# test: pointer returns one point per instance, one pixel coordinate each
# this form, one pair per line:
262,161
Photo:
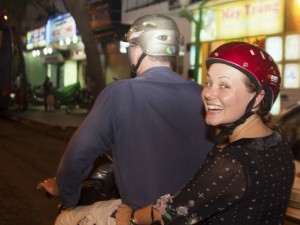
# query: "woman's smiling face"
225,94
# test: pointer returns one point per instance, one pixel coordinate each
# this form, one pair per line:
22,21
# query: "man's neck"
148,64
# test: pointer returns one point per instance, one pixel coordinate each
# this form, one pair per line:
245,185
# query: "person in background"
154,124
47,91
248,179
21,92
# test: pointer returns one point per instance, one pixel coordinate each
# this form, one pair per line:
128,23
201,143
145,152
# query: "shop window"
292,47
291,76
192,62
70,72
275,110
274,47
280,67
192,55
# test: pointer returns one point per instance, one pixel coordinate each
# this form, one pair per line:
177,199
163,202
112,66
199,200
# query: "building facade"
56,48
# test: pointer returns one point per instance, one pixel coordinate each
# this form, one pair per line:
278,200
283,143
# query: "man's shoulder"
118,84
116,87
197,85
129,84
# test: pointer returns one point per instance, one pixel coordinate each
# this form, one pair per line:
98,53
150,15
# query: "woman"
247,179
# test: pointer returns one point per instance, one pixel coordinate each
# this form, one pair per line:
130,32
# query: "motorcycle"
67,97
71,96
100,184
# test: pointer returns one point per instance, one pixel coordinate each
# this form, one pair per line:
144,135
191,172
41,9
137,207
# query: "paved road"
26,157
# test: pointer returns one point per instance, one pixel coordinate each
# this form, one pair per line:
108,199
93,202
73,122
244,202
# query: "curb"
64,133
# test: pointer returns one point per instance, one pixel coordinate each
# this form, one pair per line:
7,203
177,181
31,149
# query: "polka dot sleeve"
219,183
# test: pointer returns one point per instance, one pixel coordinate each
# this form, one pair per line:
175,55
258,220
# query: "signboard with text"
99,15
292,21
36,38
241,19
61,27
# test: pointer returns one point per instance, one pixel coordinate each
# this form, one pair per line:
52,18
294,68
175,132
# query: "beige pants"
50,101
95,214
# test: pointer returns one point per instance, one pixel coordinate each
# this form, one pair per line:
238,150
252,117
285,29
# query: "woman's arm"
146,215
219,184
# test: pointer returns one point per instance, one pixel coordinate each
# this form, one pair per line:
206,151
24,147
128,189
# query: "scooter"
72,96
100,184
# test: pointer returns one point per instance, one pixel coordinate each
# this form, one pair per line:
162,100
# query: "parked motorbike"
37,95
85,99
66,97
72,96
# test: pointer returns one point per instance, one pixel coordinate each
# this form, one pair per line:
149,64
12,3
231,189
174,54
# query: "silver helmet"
157,35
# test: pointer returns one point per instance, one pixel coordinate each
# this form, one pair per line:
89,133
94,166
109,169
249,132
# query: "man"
153,123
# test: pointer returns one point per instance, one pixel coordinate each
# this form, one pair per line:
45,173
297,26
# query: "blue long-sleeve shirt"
155,126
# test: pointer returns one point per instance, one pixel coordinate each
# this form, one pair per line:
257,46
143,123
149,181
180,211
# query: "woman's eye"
208,83
224,86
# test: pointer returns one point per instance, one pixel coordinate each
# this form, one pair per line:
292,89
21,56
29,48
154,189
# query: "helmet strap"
134,68
228,130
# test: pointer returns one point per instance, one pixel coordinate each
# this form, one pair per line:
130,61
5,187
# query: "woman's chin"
212,122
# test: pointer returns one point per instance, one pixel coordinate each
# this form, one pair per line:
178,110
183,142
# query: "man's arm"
91,139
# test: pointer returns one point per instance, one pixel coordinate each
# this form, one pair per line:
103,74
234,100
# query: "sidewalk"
56,123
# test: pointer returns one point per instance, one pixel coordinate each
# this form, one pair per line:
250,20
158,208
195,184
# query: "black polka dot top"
246,183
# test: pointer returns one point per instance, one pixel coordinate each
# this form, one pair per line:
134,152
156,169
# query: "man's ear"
138,53
259,98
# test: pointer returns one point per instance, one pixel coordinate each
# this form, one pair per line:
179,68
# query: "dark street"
27,157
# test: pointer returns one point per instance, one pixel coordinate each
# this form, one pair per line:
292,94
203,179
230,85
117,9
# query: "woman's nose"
209,92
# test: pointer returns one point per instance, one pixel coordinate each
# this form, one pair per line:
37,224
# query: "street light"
198,24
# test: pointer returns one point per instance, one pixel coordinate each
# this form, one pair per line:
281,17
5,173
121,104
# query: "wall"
118,66
35,69
289,97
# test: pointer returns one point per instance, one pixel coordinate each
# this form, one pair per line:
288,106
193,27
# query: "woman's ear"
259,98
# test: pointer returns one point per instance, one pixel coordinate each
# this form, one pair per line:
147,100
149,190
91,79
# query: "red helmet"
253,61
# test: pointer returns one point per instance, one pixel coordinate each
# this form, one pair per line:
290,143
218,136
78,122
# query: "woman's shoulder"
224,156
233,154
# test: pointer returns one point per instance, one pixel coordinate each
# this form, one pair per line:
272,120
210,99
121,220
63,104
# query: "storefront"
36,70
62,37
271,24
55,51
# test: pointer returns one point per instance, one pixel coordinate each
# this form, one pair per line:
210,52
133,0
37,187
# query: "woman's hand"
123,215
50,185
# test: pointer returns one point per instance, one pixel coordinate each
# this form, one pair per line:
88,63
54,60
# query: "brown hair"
252,88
